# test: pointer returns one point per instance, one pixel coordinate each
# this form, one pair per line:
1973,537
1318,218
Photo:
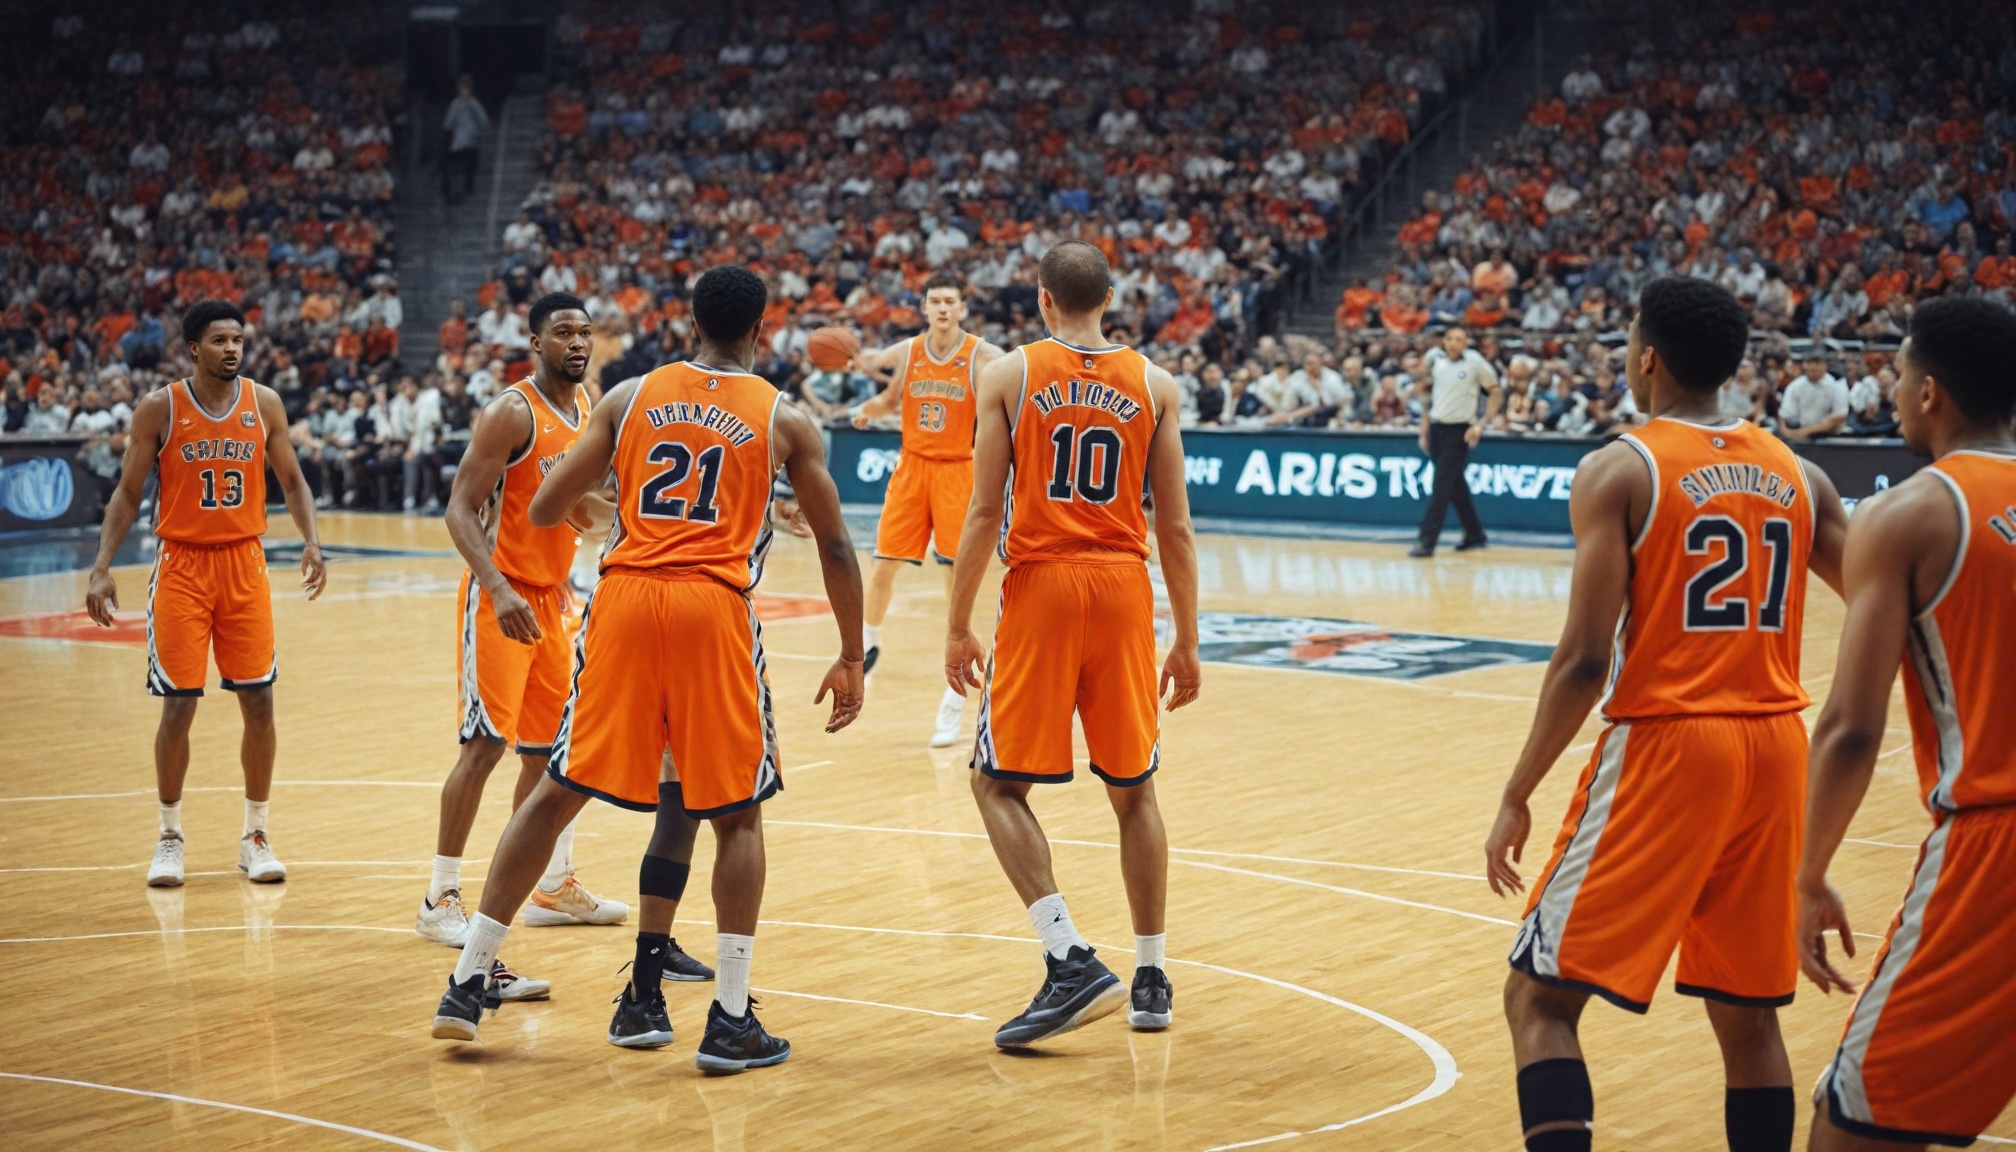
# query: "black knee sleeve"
1758,1119
662,878
1553,1091
672,836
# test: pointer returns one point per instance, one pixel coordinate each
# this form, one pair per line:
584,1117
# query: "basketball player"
211,436
925,506
1069,427
670,653
1693,538
516,652
1929,1055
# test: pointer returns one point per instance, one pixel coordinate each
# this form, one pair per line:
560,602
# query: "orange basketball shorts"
925,506
674,662
514,692
206,598
1684,832
1929,1056
1072,637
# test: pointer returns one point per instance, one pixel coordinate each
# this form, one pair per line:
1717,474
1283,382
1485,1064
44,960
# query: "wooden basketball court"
1336,953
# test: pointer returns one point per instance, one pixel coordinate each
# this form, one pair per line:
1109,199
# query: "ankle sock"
171,819
731,972
447,875
255,816
648,969
1148,950
871,636
1053,923
486,939
562,862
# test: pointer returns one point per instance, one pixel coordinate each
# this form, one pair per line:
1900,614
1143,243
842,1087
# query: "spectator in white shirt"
1816,404
522,233
1322,388
1581,84
1746,277
49,418
150,155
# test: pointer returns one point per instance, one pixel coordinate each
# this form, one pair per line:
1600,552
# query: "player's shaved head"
1076,276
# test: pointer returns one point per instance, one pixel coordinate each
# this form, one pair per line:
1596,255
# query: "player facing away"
1929,1053
670,655
1069,427
211,437
933,386
1693,539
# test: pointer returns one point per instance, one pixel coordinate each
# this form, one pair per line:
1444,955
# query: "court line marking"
1103,844
331,1125
290,864
866,1003
1880,843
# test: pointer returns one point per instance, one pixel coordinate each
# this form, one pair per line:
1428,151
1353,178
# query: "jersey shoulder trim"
1960,552
1652,509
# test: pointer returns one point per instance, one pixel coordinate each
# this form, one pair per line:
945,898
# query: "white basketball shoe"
950,709
256,860
444,921
572,904
166,869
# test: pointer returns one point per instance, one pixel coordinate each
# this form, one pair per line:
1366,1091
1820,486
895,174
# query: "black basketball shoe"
680,966
1148,1010
1077,990
868,661
462,1008
640,1024
731,1045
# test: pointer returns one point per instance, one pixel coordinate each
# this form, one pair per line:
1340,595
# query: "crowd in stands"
154,155
1829,165
1208,154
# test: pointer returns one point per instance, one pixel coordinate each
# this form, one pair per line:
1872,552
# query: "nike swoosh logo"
549,428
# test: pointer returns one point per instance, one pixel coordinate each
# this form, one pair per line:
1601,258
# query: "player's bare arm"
1897,552
585,467
1612,493
1175,543
294,486
503,429
143,444
882,364
1830,527
803,452
993,445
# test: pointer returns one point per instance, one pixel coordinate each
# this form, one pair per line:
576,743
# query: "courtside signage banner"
42,485
1374,478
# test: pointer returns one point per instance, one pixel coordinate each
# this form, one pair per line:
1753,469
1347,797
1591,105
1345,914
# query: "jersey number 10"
1732,613
1096,451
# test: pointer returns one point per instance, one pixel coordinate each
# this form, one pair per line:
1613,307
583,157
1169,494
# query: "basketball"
832,348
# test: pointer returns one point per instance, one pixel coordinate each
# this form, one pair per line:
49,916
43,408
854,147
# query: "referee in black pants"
1450,427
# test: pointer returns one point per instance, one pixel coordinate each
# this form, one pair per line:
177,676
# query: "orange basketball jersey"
1718,577
1081,430
534,555
1962,653
212,469
693,474
939,404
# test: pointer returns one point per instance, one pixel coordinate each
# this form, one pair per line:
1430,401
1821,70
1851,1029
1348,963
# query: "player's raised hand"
514,616
1821,910
314,574
843,680
1182,669
1508,837
101,599
965,661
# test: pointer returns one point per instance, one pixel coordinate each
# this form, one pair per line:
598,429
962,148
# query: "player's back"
540,556
939,402
212,469
1082,424
1718,576
1962,648
693,473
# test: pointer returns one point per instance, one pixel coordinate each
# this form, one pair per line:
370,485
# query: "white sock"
952,699
171,819
1053,923
255,816
731,972
562,862
1148,950
486,939
447,874
871,635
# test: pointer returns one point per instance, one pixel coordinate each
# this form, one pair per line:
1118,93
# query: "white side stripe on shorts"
1847,1067
475,717
1927,651
1543,930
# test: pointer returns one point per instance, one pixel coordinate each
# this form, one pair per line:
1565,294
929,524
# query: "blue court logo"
38,489
875,463
1352,648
